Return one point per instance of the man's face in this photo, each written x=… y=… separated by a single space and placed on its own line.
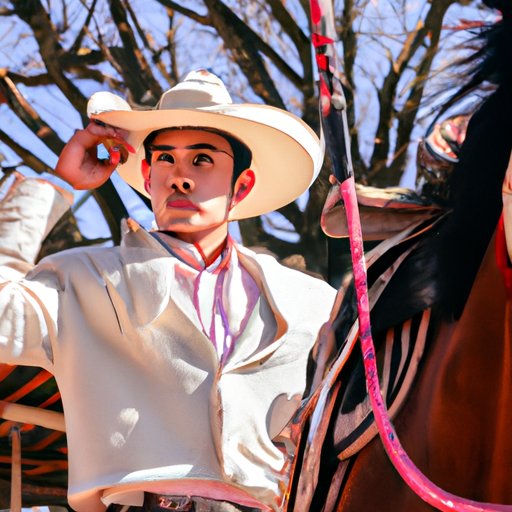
x=190 y=182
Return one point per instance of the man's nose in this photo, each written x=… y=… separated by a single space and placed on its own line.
x=182 y=184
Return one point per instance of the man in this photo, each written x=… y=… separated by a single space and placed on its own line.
x=180 y=355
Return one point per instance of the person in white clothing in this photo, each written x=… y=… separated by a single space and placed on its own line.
x=180 y=355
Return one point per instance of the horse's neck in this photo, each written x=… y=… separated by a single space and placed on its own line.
x=482 y=320
x=470 y=371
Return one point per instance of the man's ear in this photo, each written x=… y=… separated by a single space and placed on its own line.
x=243 y=185
x=146 y=173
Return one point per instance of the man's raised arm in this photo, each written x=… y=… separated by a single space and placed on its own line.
x=28 y=211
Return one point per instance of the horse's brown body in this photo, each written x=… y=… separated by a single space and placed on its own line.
x=456 y=425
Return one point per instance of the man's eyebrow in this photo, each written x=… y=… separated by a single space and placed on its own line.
x=200 y=145
x=203 y=145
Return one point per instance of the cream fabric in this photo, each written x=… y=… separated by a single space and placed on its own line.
x=29 y=210
x=147 y=403
x=219 y=298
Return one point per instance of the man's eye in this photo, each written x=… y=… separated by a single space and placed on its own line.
x=202 y=158
x=165 y=157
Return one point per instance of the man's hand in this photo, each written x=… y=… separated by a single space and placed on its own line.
x=79 y=164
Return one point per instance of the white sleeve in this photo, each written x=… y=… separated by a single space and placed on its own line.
x=28 y=323
x=28 y=308
x=28 y=212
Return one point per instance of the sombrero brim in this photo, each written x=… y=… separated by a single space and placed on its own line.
x=287 y=155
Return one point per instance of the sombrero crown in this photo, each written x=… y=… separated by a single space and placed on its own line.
x=286 y=153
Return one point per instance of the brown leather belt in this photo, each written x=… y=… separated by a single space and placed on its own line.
x=155 y=502
x=161 y=503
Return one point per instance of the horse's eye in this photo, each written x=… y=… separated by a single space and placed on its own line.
x=202 y=158
x=165 y=157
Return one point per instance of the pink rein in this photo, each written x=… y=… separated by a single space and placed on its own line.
x=417 y=481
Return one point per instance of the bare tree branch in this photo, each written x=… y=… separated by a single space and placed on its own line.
x=203 y=20
x=33 y=13
x=31 y=81
x=156 y=54
x=137 y=73
x=70 y=62
x=408 y=114
x=303 y=46
x=244 y=44
x=387 y=93
x=305 y=7
x=298 y=37
x=349 y=38
x=28 y=115
x=277 y=60
x=65 y=17
x=79 y=38
x=288 y=24
x=27 y=157
x=172 y=46
x=238 y=39
x=105 y=50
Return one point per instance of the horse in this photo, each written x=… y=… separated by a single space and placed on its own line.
x=440 y=295
x=441 y=321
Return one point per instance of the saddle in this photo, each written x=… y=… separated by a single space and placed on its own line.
x=340 y=405
x=336 y=420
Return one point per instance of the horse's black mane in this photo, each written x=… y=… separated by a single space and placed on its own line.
x=491 y=62
x=442 y=270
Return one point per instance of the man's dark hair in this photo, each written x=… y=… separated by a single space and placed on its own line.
x=242 y=155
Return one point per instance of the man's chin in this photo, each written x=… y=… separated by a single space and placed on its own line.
x=185 y=226
x=176 y=227
x=180 y=221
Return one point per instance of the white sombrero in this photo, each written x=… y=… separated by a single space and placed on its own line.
x=286 y=153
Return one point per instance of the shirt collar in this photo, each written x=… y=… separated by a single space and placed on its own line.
x=191 y=254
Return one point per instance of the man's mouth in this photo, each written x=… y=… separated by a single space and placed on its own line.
x=184 y=204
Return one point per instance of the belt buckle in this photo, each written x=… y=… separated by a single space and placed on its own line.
x=180 y=504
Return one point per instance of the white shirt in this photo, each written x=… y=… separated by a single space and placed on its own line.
x=219 y=298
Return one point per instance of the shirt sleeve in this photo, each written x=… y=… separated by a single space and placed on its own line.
x=28 y=306
x=28 y=323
